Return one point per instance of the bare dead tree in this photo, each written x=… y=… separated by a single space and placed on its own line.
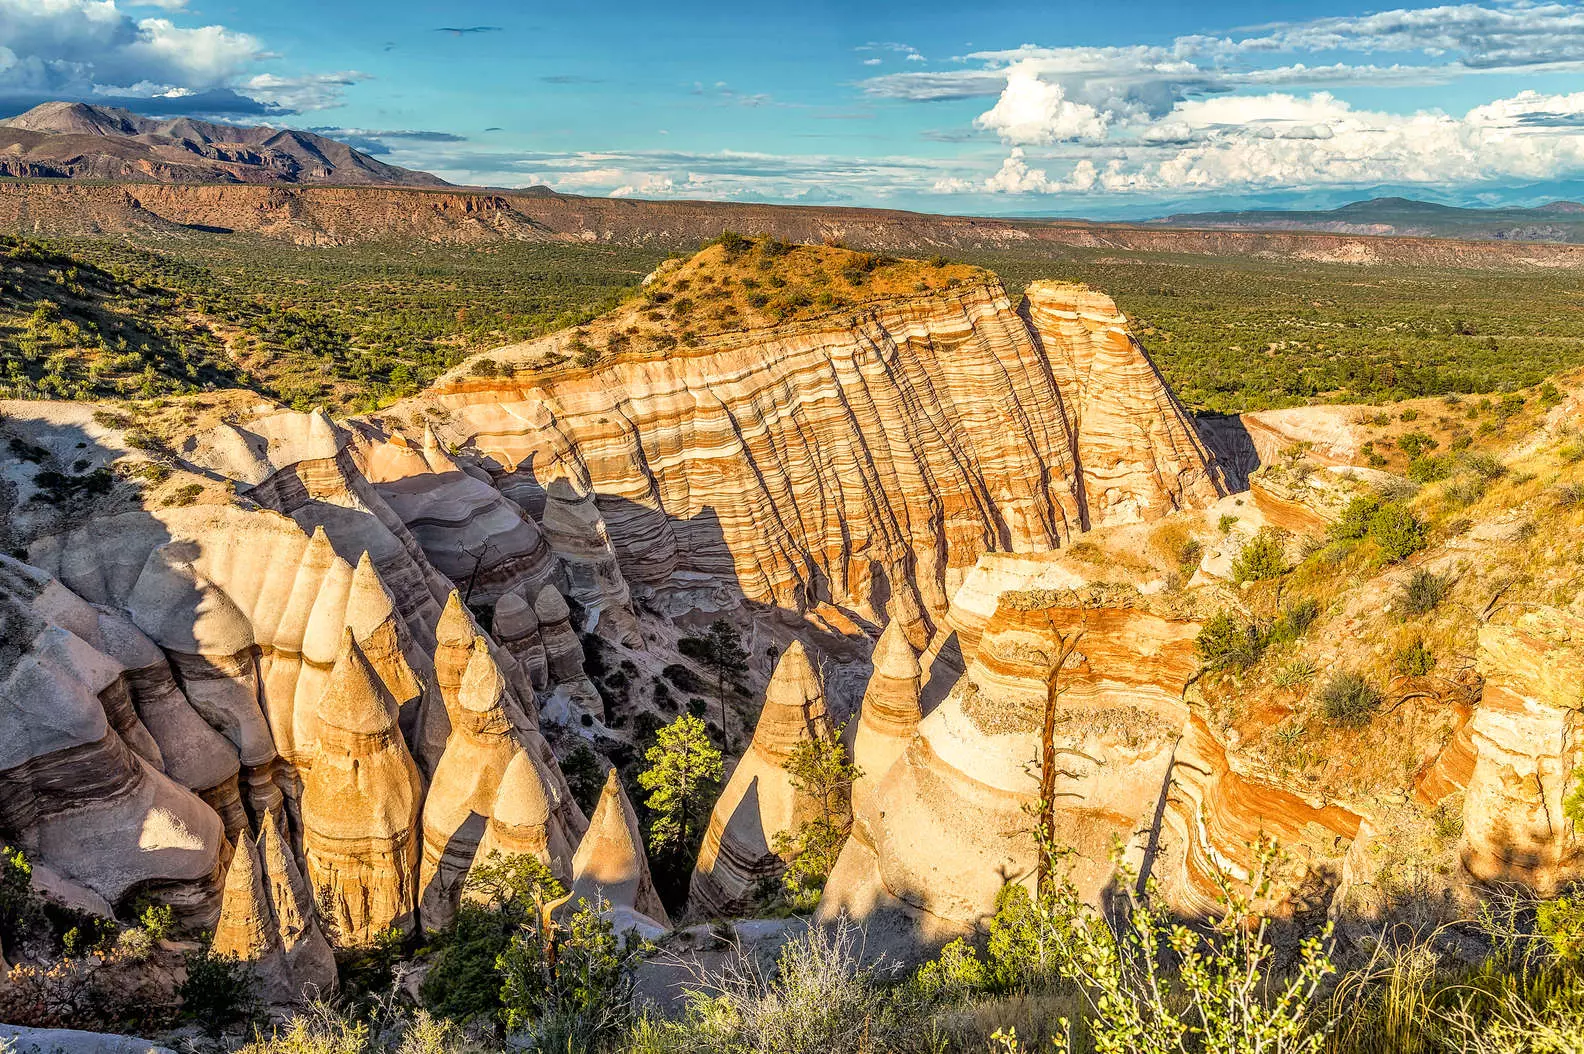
x=1067 y=643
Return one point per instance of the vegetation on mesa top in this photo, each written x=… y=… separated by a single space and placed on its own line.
x=737 y=283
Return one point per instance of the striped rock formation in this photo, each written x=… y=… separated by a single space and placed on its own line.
x=1528 y=744
x=865 y=458
x=760 y=801
x=611 y=868
x=471 y=532
x=1138 y=454
x=889 y=716
x=589 y=571
x=266 y=921
x=464 y=787
x=949 y=823
x=360 y=805
x=572 y=696
x=74 y=795
x=517 y=628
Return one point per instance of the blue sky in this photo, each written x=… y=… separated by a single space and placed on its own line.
x=1120 y=109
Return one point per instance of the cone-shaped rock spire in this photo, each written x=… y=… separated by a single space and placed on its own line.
x=463 y=792
x=360 y=804
x=890 y=714
x=247 y=925
x=759 y=800
x=309 y=960
x=610 y=863
x=521 y=822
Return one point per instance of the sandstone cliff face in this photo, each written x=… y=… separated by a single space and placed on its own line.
x=863 y=458
x=949 y=822
x=1138 y=453
x=1528 y=743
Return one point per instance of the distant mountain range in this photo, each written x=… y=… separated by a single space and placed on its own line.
x=1560 y=221
x=65 y=140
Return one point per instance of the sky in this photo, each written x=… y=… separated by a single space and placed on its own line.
x=1119 y=109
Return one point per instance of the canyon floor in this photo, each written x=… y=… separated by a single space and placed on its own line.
x=358 y=707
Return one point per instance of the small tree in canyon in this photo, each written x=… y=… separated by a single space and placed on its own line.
x=682 y=779
x=720 y=651
x=820 y=770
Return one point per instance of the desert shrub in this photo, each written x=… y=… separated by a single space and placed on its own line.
x=1560 y=923
x=1294 y=620
x=217 y=991
x=1228 y=642
x=1415 y=444
x=1188 y=554
x=485 y=367
x=1483 y=465
x=822 y=997
x=505 y=894
x=1398 y=532
x=1226 y=523
x=571 y=989
x=683 y=677
x=1264 y=556
x=1348 y=699
x=1428 y=468
x=1464 y=490
x=20 y=910
x=1414 y=660
x=1570 y=495
x=1422 y=593
x=1392 y=527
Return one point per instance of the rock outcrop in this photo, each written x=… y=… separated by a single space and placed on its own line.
x=360 y=805
x=522 y=822
x=463 y=791
x=611 y=868
x=1528 y=742
x=266 y=920
x=949 y=823
x=760 y=800
x=1138 y=454
x=889 y=716
x=864 y=458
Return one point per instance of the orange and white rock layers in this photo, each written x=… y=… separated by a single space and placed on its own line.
x=949 y=823
x=264 y=922
x=760 y=800
x=1138 y=452
x=360 y=805
x=865 y=459
x=471 y=532
x=845 y=460
x=1528 y=740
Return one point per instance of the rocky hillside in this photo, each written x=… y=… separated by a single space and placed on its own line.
x=61 y=140
x=354 y=215
x=832 y=432
x=1559 y=221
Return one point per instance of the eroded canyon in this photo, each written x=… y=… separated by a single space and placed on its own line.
x=302 y=704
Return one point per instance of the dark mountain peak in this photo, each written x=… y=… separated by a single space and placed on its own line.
x=53 y=140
